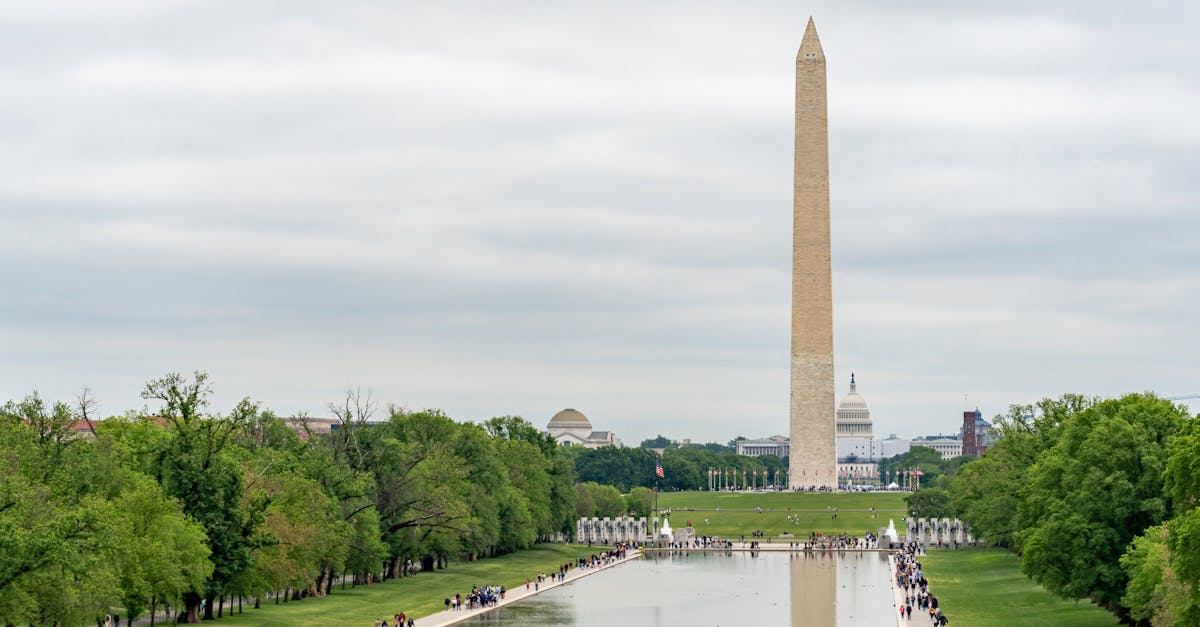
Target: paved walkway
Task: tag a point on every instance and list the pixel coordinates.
(919, 617)
(450, 617)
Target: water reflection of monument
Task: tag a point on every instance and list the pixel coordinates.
(814, 589)
(840, 588)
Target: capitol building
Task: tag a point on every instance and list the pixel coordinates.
(571, 428)
(857, 450)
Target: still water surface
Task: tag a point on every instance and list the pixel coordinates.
(716, 589)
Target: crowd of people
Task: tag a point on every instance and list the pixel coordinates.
(479, 596)
(398, 620)
(490, 596)
(911, 579)
(839, 542)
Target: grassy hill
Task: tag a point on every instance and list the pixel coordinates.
(985, 587)
(731, 514)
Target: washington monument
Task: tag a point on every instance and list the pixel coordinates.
(813, 450)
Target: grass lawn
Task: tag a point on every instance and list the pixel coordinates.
(738, 515)
(420, 596)
(985, 587)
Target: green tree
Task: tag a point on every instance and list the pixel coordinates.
(1154, 593)
(987, 491)
(167, 553)
(660, 441)
(196, 467)
(1089, 495)
(640, 501)
(930, 503)
(605, 500)
(538, 468)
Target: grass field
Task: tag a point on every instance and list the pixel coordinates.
(420, 596)
(731, 514)
(984, 587)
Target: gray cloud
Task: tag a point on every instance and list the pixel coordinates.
(522, 207)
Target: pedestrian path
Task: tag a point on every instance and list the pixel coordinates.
(919, 617)
(450, 617)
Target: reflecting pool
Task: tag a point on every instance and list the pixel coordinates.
(715, 589)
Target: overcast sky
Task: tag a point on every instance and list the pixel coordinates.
(513, 208)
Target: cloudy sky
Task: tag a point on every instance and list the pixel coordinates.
(512, 208)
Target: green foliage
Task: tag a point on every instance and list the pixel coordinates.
(1154, 592)
(640, 502)
(1087, 496)
(1094, 485)
(80, 534)
(685, 467)
(188, 504)
(920, 458)
(599, 500)
(619, 467)
(986, 493)
(930, 503)
(660, 441)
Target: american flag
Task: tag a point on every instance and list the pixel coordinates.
(658, 471)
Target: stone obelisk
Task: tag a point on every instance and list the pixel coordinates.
(813, 450)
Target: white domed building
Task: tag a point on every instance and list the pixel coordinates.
(571, 428)
(857, 451)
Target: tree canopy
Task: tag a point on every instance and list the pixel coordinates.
(190, 504)
(1099, 498)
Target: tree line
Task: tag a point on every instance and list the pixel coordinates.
(684, 467)
(188, 505)
(1099, 497)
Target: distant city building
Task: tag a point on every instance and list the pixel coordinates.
(853, 417)
(977, 434)
(857, 452)
(571, 428)
(946, 445)
(855, 431)
(892, 446)
(317, 426)
(776, 445)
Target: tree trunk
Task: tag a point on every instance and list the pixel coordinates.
(208, 610)
(324, 581)
(258, 602)
(191, 604)
(221, 606)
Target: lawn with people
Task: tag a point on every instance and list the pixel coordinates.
(733, 514)
(983, 587)
(417, 596)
